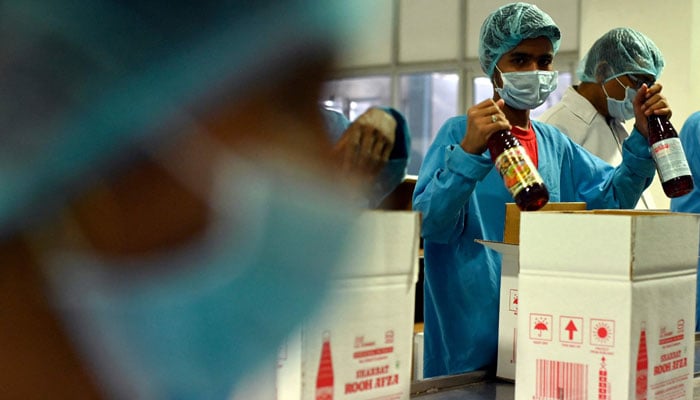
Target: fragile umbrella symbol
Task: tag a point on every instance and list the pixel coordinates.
(540, 327)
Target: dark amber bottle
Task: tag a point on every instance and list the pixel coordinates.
(667, 151)
(518, 171)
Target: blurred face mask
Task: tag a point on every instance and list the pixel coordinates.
(190, 323)
(621, 110)
(528, 89)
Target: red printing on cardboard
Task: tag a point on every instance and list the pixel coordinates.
(372, 383)
(364, 373)
(373, 352)
(671, 339)
(670, 362)
(670, 366)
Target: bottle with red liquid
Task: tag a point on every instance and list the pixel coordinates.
(518, 171)
(667, 151)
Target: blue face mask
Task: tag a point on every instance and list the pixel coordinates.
(190, 323)
(621, 110)
(528, 89)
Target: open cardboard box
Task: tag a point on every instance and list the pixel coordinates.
(607, 305)
(359, 345)
(508, 308)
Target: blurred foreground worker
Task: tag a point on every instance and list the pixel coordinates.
(690, 203)
(611, 73)
(462, 196)
(372, 151)
(161, 235)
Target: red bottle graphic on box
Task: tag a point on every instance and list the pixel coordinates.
(642, 366)
(603, 384)
(324, 378)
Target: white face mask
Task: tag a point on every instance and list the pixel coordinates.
(528, 89)
(621, 110)
(215, 307)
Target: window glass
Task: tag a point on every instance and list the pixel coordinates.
(426, 100)
(353, 96)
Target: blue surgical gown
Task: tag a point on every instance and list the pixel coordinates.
(395, 170)
(462, 198)
(690, 203)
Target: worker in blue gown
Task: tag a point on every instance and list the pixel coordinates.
(167, 214)
(373, 149)
(690, 203)
(462, 197)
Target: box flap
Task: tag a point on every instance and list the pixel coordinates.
(611, 244)
(503, 248)
(510, 260)
(511, 230)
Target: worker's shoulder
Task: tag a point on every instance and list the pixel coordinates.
(458, 122)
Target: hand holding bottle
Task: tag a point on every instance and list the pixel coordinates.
(483, 120)
(488, 128)
(652, 114)
(649, 101)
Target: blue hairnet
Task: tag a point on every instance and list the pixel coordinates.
(82, 81)
(509, 25)
(621, 51)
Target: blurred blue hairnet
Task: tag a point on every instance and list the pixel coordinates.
(621, 51)
(509, 25)
(82, 81)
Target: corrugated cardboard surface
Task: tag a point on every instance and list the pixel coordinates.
(607, 305)
(508, 307)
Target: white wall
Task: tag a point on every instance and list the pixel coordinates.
(429, 30)
(373, 45)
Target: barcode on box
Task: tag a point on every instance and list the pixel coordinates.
(561, 380)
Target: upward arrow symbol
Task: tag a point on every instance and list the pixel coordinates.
(571, 327)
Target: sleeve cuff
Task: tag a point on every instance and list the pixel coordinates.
(639, 155)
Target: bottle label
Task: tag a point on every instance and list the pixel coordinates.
(517, 169)
(670, 159)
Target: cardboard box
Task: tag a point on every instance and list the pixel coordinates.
(607, 305)
(511, 229)
(508, 308)
(359, 345)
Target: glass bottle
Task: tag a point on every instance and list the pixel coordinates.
(667, 151)
(518, 171)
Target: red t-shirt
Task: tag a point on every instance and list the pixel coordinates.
(528, 140)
